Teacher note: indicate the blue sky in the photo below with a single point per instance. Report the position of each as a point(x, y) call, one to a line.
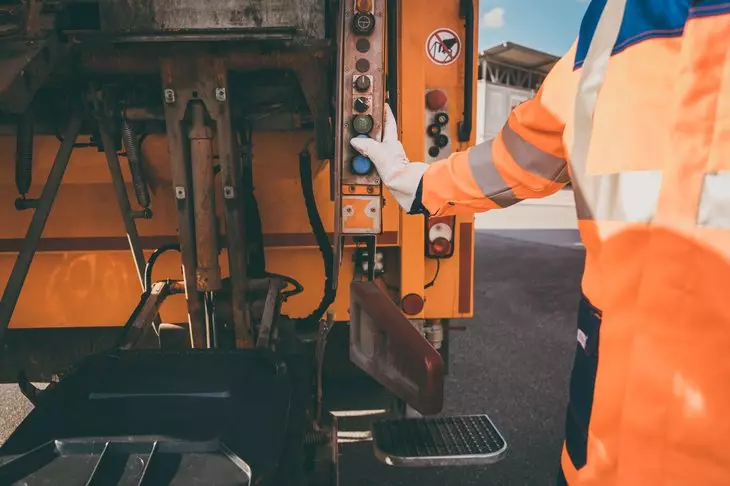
point(546, 25)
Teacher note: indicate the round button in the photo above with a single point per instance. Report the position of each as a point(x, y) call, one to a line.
point(435, 100)
point(362, 123)
point(442, 119)
point(363, 23)
point(362, 45)
point(362, 83)
point(361, 165)
point(362, 65)
point(434, 151)
point(442, 141)
point(362, 104)
point(434, 130)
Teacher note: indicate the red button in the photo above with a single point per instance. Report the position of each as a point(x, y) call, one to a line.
point(435, 100)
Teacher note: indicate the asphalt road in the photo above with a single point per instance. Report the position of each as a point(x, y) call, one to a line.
point(513, 363)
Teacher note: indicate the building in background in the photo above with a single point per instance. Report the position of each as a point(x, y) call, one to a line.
point(508, 74)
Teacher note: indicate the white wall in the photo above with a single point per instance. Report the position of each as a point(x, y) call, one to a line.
point(494, 104)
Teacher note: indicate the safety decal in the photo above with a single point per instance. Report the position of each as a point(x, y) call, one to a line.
point(443, 47)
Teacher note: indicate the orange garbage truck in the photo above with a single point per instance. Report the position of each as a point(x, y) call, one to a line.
point(196, 260)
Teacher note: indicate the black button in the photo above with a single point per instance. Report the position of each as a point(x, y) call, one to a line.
point(442, 119)
point(363, 23)
point(442, 141)
point(362, 83)
point(362, 104)
point(434, 151)
point(362, 65)
point(362, 45)
point(434, 130)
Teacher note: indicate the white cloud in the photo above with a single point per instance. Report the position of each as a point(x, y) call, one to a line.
point(493, 19)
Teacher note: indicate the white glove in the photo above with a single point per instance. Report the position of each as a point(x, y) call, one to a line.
point(400, 176)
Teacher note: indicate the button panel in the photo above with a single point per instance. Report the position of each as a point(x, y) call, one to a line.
point(437, 128)
point(363, 97)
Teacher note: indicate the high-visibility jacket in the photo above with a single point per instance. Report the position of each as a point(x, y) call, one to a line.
point(637, 116)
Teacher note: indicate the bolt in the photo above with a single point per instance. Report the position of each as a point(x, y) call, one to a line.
point(169, 96)
point(370, 190)
point(228, 192)
point(373, 210)
point(220, 94)
point(179, 192)
point(352, 188)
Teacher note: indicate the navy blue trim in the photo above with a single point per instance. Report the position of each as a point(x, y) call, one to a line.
point(708, 8)
point(643, 19)
point(561, 481)
point(582, 383)
point(417, 207)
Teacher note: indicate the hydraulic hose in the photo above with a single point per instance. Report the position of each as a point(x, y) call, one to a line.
point(24, 154)
point(131, 145)
point(151, 263)
point(323, 242)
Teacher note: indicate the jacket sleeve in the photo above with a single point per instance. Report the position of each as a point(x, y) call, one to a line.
point(526, 160)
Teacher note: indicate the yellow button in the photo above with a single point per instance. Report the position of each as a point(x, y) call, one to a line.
point(364, 5)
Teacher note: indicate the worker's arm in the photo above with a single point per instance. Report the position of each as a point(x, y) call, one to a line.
point(525, 160)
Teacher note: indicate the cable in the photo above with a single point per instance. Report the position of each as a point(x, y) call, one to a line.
point(435, 276)
point(427, 286)
point(298, 288)
point(151, 263)
point(320, 234)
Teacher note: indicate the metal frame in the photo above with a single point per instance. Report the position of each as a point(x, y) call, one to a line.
point(38, 223)
point(184, 79)
point(512, 76)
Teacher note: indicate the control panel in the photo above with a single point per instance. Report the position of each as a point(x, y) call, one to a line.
point(362, 94)
point(437, 126)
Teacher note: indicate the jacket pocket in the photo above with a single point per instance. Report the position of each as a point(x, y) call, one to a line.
point(582, 383)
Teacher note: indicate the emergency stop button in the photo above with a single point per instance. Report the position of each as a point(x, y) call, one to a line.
point(435, 100)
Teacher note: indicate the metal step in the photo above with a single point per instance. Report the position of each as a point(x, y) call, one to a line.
point(443, 441)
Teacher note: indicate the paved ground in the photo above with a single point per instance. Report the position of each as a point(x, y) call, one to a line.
point(513, 363)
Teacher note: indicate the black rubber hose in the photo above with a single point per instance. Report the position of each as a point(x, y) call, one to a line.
point(151, 263)
point(131, 145)
point(323, 242)
point(24, 154)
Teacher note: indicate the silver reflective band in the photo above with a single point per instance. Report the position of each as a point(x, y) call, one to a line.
point(531, 158)
point(714, 210)
point(487, 177)
point(627, 196)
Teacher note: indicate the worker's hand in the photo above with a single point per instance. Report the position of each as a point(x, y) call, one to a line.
point(400, 176)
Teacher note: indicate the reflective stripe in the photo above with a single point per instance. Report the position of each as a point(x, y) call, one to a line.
point(714, 210)
point(531, 158)
point(627, 196)
point(487, 177)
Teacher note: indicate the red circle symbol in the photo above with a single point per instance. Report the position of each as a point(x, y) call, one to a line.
point(443, 47)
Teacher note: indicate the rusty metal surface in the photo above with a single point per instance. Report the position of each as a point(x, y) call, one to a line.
point(272, 310)
point(174, 115)
point(385, 344)
point(187, 77)
point(24, 67)
point(208, 272)
point(107, 59)
point(306, 18)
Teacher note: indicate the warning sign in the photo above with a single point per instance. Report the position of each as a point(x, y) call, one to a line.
point(443, 47)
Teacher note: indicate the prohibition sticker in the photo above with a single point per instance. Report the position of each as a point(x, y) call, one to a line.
point(443, 47)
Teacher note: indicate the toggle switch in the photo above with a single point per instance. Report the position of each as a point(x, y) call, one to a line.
point(362, 104)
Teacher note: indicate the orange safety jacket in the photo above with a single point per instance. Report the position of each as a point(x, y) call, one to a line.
point(637, 116)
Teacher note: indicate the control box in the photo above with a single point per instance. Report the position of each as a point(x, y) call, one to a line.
point(362, 94)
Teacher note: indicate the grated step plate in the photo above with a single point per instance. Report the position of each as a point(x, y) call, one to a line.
point(442, 441)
